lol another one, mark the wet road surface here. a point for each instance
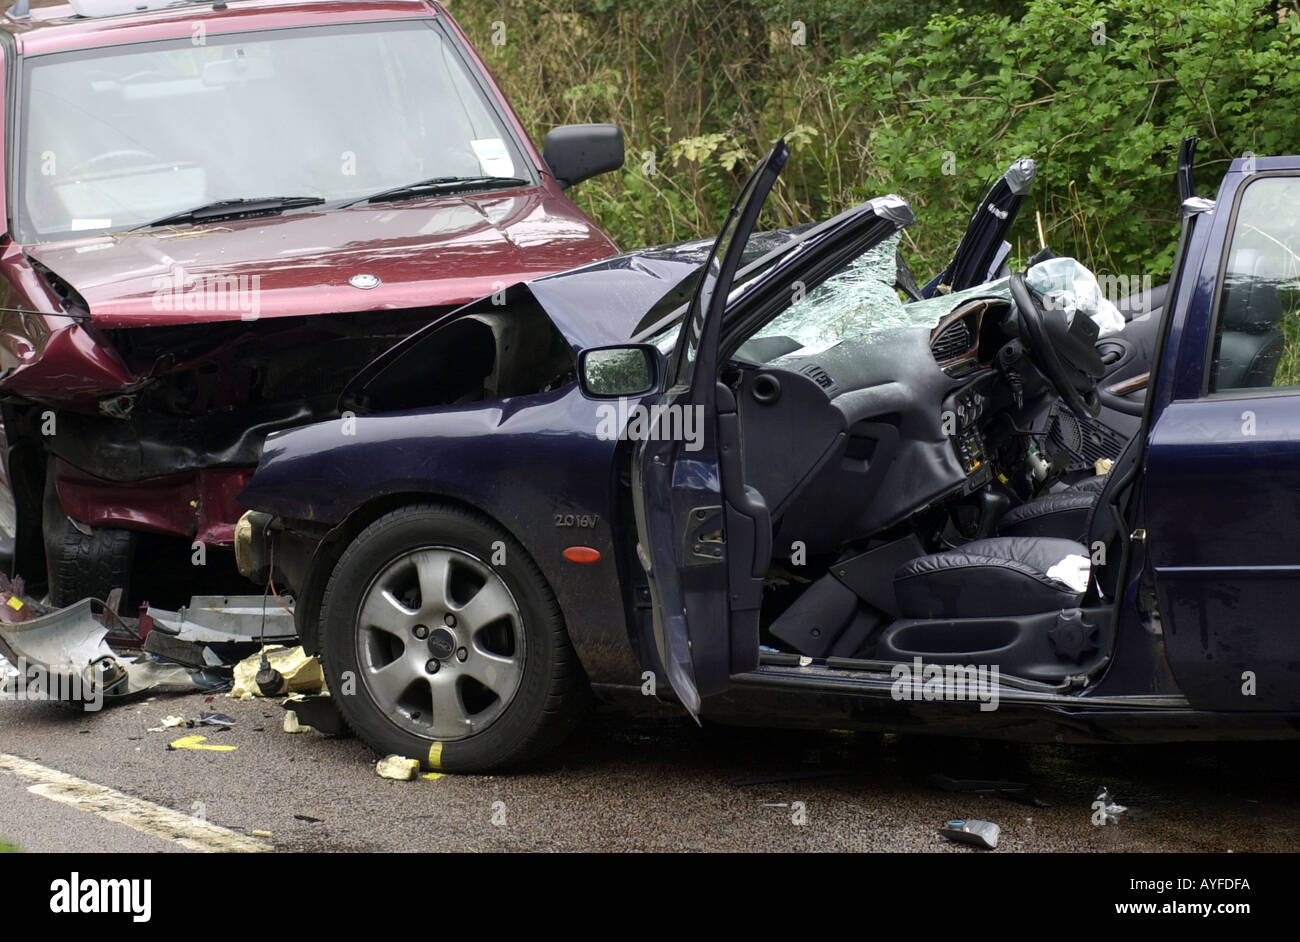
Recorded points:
(624, 784)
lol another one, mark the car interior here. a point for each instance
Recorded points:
(955, 487)
(930, 491)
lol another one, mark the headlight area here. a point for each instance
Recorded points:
(253, 546)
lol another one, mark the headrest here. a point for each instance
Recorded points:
(1251, 301)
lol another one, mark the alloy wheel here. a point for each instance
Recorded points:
(440, 643)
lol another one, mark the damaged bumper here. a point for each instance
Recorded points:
(86, 654)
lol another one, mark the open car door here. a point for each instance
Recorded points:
(699, 546)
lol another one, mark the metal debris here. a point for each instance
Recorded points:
(65, 655)
(1110, 809)
(977, 833)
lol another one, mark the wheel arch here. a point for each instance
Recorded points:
(332, 546)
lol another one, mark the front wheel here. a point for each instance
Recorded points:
(441, 641)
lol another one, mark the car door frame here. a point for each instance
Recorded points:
(1190, 431)
(677, 494)
(702, 650)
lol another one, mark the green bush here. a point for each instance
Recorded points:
(1099, 93)
(891, 97)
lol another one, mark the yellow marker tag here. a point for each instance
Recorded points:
(432, 776)
(196, 742)
(15, 603)
(435, 756)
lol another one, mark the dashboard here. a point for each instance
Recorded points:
(960, 342)
(964, 415)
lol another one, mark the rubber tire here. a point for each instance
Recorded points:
(552, 694)
(82, 566)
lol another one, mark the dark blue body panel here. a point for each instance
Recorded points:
(1222, 499)
(521, 461)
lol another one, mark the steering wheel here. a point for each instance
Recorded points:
(1085, 404)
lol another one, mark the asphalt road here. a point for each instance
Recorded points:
(621, 784)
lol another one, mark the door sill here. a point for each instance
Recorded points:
(875, 679)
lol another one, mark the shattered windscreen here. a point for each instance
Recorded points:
(859, 301)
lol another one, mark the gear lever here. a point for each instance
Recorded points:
(992, 504)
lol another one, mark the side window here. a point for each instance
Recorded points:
(1257, 332)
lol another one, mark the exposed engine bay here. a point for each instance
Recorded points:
(161, 452)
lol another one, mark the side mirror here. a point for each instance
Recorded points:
(576, 152)
(614, 372)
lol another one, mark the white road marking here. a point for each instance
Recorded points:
(144, 816)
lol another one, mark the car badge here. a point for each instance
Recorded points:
(364, 282)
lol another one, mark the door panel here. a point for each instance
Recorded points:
(1223, 519)
(692, 541)
(1223, 463)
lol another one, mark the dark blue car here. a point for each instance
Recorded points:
(775, 482)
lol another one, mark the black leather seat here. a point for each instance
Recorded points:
(1008, 575)
(1062, 514)
(1250, 343)
(997, 576)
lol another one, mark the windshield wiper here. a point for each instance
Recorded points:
(440, 185)
(235, 209)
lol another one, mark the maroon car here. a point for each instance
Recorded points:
(214, 214)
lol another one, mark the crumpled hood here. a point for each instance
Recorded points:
(604, 302)
(424, 253)
(598, 304)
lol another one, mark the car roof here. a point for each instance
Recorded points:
(55, 26)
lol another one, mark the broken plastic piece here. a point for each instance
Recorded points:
(217, 619)
(181, 651)
(198, 743)
(213, 719)
(67, 653)
(399, 768)
(983, 834)
(320, 712)
(1110, 809)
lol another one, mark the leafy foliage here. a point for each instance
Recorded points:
(920, 99)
